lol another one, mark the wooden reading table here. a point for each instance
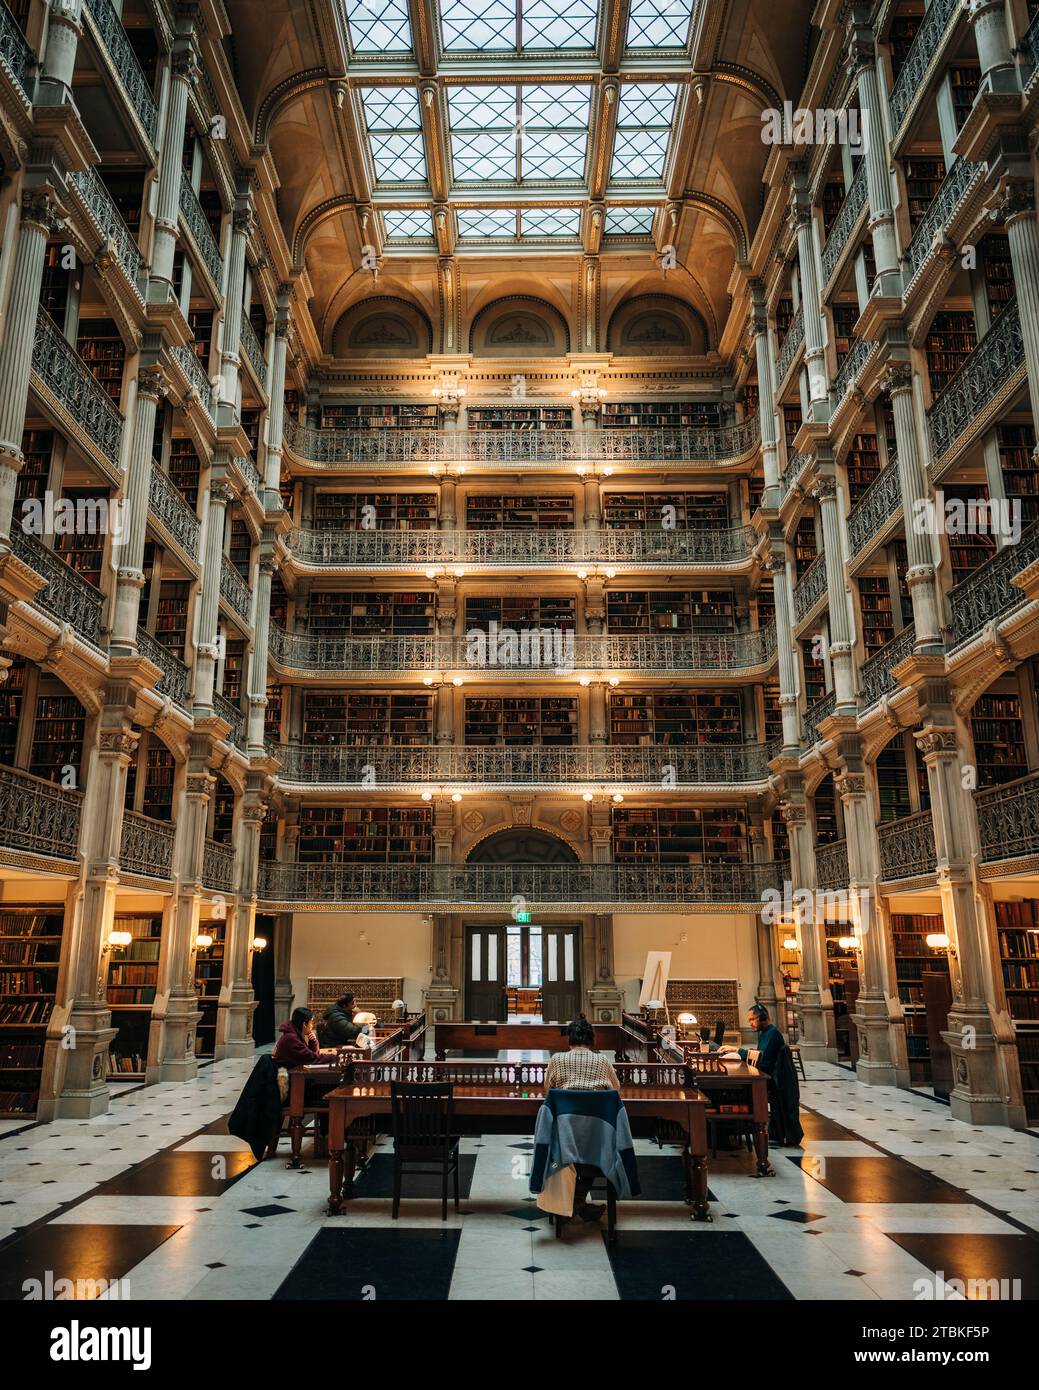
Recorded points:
(535, 1037)
(731, 1084)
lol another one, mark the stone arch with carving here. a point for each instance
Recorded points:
(657, 325)
(382, 326)
(282, 96)
(519, 326)
(323, 212)
(523, 844)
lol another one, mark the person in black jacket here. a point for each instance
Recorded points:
(338, 1027)
(784, 1094)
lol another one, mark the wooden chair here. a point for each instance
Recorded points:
(422, 1137)
(795, 1053)
(599, 1183)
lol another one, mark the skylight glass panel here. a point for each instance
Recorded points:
(550, 222)
(550, 24)
(410, 223)
(495, 26)
(643, 130)
(629, 221)
(659, 23)
(486, 222)
(478, 25)
(517, 134)
(379, 26)
(395, 134)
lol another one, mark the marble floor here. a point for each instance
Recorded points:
(886, 1195)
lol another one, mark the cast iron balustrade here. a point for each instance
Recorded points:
(578, 766)
(984, 374)
(875, 678)
(907, 847)
(98, 202)
(38, 817)
(1029, 49)
(795, 336)
(856, 359)
(822, 709)
(15, 50)
(332, 655)
(250, 473)
(125, 66)
(875, 507)
(234, 716)
(175, 675)
(921, 53)
(1008, 819)
(496, 885)
(960, 178)
(831, 865)
(201, 233)
(810, 588)
(726, 444)
(59, 366)
(218, 866)
(796, 465)
(167, 505)
(187, 360)
(146, 846)
(68, 597)
(234, 588)
(840, 233)
(252, 349)
(990, 593)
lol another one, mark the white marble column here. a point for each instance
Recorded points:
(842, 639)
(151, 388)
(221, 494)
(258, 660)
(183, 74)
(802, 222)
(862, 65)
(1019, 215)
(920, 573)
(64, 31)
(766, 394)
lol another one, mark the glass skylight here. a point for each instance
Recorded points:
(475, 223)
(551, 222)
(644, 121)
(378, 26)
(524, 224)
(519, 134)
(483, 26)
(395, 134)
(659, 23)
(408, 223)
(629, 221)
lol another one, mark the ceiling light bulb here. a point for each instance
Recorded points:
(586, 796)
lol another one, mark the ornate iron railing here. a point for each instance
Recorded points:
(795, 336)
(250, 473)
(726, 444)
(1029, 49)
(721, 546)
(831, 865)
(234, 716)
(200, 231)
(252, 349)
(875, 678)
(1008, 819)
(175, 676)
(990, 592)
(125, 65)
(187, 359)
(984, 374)
(815, 714)
(98, 202)
(146, 846)
(723, 652)
(796, 465)
(875, 507)
(844, 224)
(852, 365)
(38, 817)
(960, 178)
(234, 588)
(15, 50)
(384, 765)
(167, 504)
(810, 588)
(907, 847)
(68, 597)
(498, 884)
(218, 866)
(921, 53)
(60, 368)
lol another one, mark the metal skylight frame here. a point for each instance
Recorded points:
(658, 25)
(394, 128)
(408, 224)
(518, 26)
(629, 221)
(379, 27)
(546, 224)
(520, 133)
(645, 122)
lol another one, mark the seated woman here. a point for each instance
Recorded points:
(298, 1045)
(581, 1069)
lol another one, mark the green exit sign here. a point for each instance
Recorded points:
(522, 916)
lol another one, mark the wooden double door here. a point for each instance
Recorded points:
(544, 956)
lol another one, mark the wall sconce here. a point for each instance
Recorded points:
(790, 943)
(937, 940)
(617, 798)
(587, 796)
(203, 941)
(457, 680)
(259, 943)
(450, 391)
(589, 393)
(849, 943)
(118, 940)
(456, 797)
(427, 796)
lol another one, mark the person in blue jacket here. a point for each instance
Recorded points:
(784, 1094)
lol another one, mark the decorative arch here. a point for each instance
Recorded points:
(657, 324)
(382, 326)
(724, 214)
(522, 844)
(323, 212)
(519, 326)
(283, 95)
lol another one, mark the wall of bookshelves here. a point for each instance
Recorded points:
(648, 511)
(900, 39)
(520, 721)
(392, 511)
(101, 350)
(806, 547)
(900, 554)
(240, 547)
(692, 716)
(913, 957)
(30, 954)
(660, 415)
(863, 465)
(84, 550)
(952, 339)
(486, 511)
(159, 772)
(664, 610)
(893, 783)
(1020, 474)
(12, 694)
(827, 823)
(209, 975)
(185, 468)
(968, 552)
(366, 614)
(520, 611)
(878, 623)
(529, 417)
(814, 673)
(57, 737)
(1017, 929)
(773, 712)
(680, 835)
(832, 199)
(964, 80)
(171, 621)
(272, 714)
(924, 176)
(400, 416)
(999, 737)
(37, 447)
(998, 272)
(792, 422)
(54, 287)
(363, 717)
(133, 973)
(366, 834)
(845, 317)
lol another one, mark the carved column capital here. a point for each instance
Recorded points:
(152, 383)
(39, 209)
(898, 376)
(937, 742)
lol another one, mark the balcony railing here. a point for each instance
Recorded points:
(146, 846)
(68, 597)
(726, 444)
(658, 546)
(60, 368)
(983, 376)
(218, 866)
(175, 675)
(1029, 49)
(852, 366)
(496, 885)
(875, 678)
(795, 467)
(795, 336)
(251, 474)
(815, 714)
(200, 231)
(252, 349)
(950, 195)
(195, 374)
(38, 817)
(579, 766)
(15, 50)
(875, 508)
(907, 847)
(98, 202)
(167, 504)
(810, 588)
(921, 53)
(844, 224)
(234, 588)
(233, 715)
(1008, 819)
(127, 69)
(348, 655)
(831, 865)
(990, 593)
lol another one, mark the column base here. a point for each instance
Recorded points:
(980, 1086)
(283, 997)
(234, 1021)
(818, 1040)
(84, 1089)
(441, 1003)
(879, 1062)
(174, 1056)
(607, 1003)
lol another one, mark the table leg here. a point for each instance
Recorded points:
(701, 1207)
(349, 1167)
(765, 1169)
(687, 1165)
(335, 1181)
(296, 1139)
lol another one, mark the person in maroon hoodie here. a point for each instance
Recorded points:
(298, 1044)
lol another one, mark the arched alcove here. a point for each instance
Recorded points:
(522, 845)
(519, 326)
(383, 326)
(657, 325)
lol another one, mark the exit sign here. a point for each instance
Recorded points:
(522, 916)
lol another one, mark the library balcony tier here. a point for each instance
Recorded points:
(907, 847)
(938, 222)
(846, 225)
(171, 515)
(992, 592)
(176, 678)
(109, 229)
(875, 512)
(792, 342)
(831, 865)
(875, 675)
(121, 67)
(67, 597)
(16, 52)
(146, 847)
(978, 393)
(934, 34)
(1008, 819)
(39, 820)
(71, 397)
(193, 221)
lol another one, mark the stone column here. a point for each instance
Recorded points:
(814, 1001)
(920, 574)
(234, 1015)
(767, 992)
(842, 641)
(777, 567)
(592, 506)
(151, 388)
(221, 494)
(243, 224)
(802, 222)
(183, 74)
(989, 21)
(766, 394)
(597, 712)
(276, 413)
(282, 967)
(39, 220)
(1019, 214)
(445, 713)
(862, 65)
(258, 660)
(442, 997)
(604, 996)
(447, 519)
(59, 59)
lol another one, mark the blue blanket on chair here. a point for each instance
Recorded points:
(585, 1127)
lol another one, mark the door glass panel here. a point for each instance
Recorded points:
(568, 956)
(492, 955)
(552, 969)
(475, 971)
(514, 957)
(534, 971)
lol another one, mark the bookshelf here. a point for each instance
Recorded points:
(213, 209)
(209, 976)
(814, 673)
(1020, 474)
(381, 417)
(57, 737)
(393, 511)
(784, 317)
(521, 611)
(842, 971)
(923, 178)
(792, 421)
(273, 711)
(845, 317)
(184, 470)
(832, 200)
(531, 417)
(660, 415)
(158, 785)
(878, 623)
(84, 550)
(913, 957)
(766, 600)
(171, 622)
(900, 39)
(201, 321)
(693, 716)
(863, 465)
(368, 614)
(624, 511)
(133, 974)
(12, 693)
(680, 835)
(101, 350)
(999, 739)
(496, 512)
(234, 668)
(30, 955)
(999, 273)
(37, 447)
(366, 835)
(964, 81)
(805, 543)
(905, 598)
(780, 837)
(827, 829)
(952, 339)
(755, 491)
(279, 601)
(968, 552)
(287, 491)
(223, 812)
(773, 713)
(893, 783)
(662, 611)
(240, 547)
(1017, 928)
(54, 287)
(250, 419)
(521, 721)
(751, 399)
(362, 717)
